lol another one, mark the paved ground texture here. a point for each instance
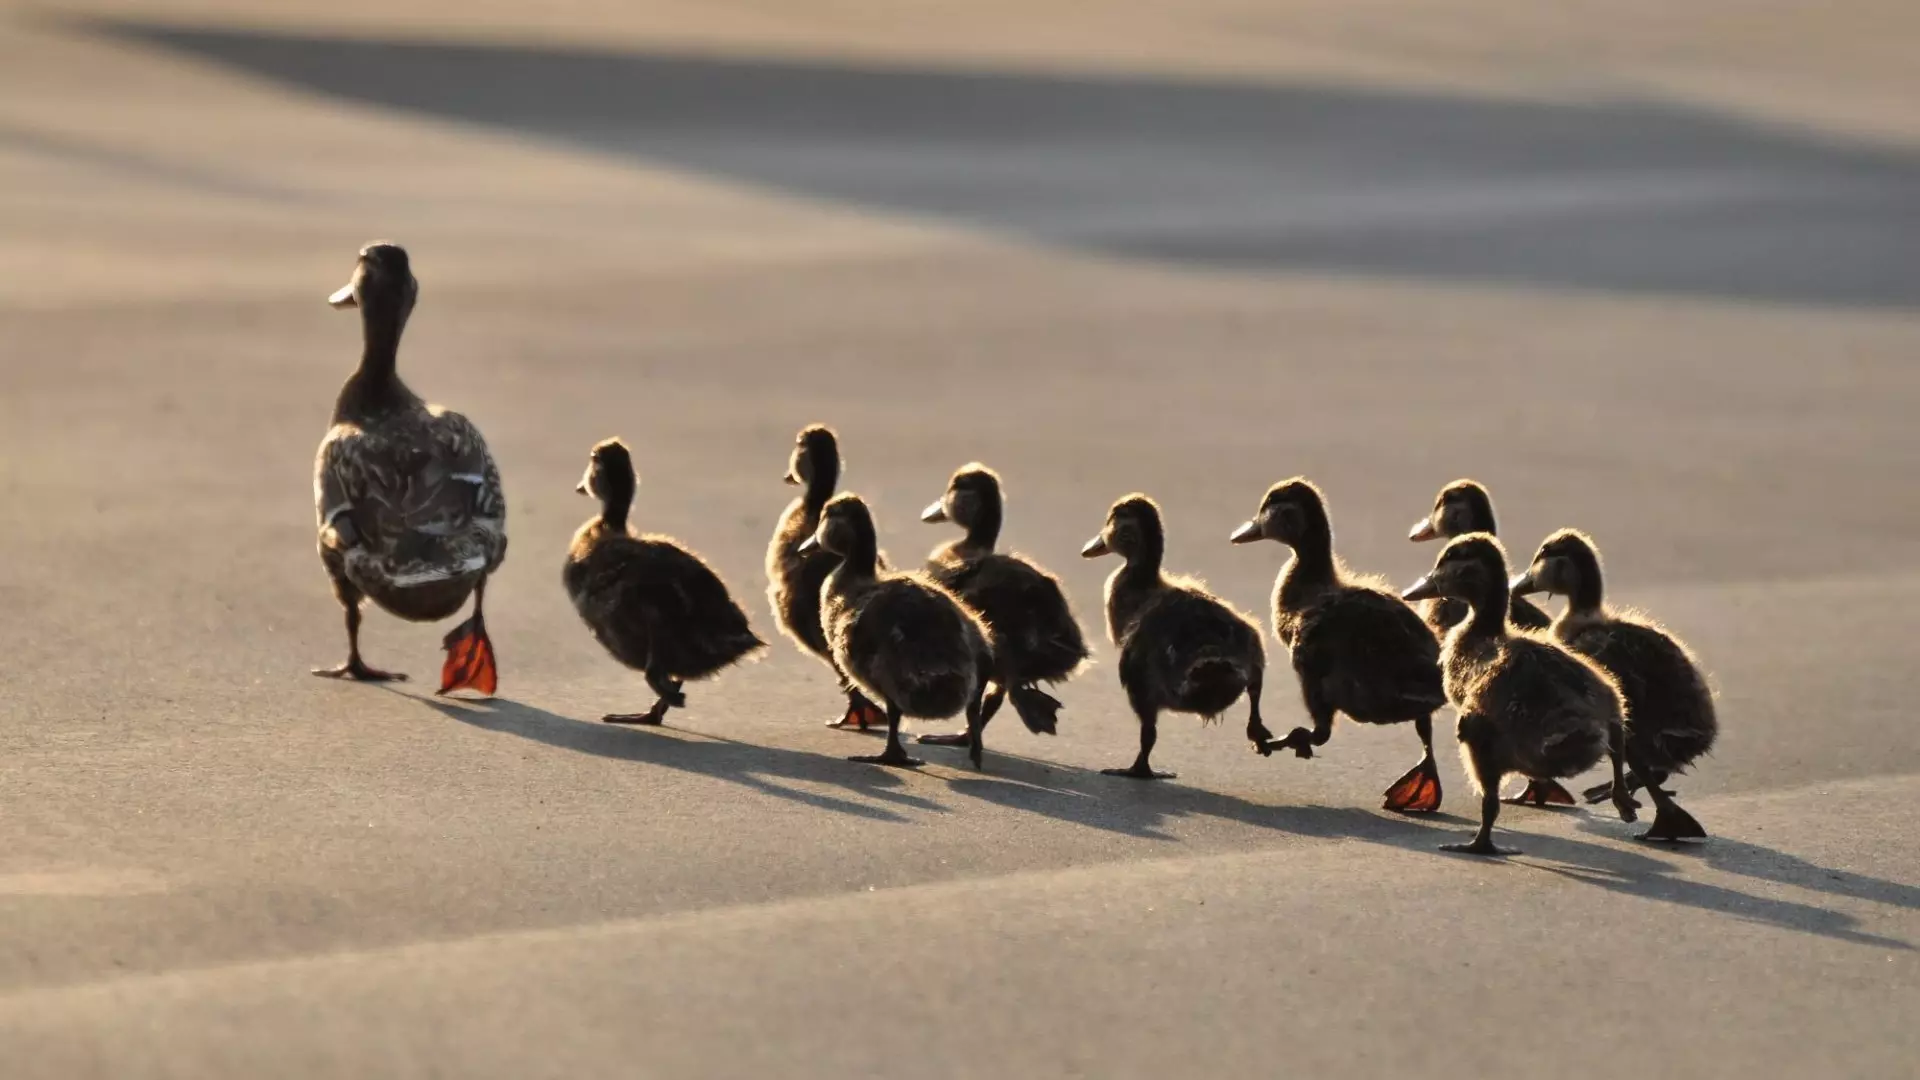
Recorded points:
(1650, 271)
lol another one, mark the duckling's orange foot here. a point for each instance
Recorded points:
(470, 662)
(956, 738)
(860, 716)
(653, 717)
(1671, 825)
(893, 756)
(1137, 771)
(1479, 846)
(1417, 792)
(1542, 793)
(354, 669)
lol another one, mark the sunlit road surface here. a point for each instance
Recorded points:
(1658, 277)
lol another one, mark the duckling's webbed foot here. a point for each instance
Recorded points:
(470, 661)
(356, 670)
(1543, 793)
(1417, 791)
(651, 718)
(1299, 740)
(894, 754)
(1672, 824)
(861, 715)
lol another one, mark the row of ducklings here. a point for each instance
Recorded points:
(1546, 699)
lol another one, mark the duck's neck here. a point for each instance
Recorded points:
(825, 476)
(375, 384)
(1589, 592)
(983, 532)
(1143, 563)
(861, 560)
(1489, 615)
(616, 499)
(1312, 565)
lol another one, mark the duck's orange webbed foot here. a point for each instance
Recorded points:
(470, 662)
(1417, 792)
(861, 715)
(1543, 793)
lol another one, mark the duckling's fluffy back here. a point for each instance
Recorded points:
(1025, 609)
(1183, 648)
(1668, 698)
(794, 578)
(1367, 651)
(907, 642)
(653, 603)
(1542, 710)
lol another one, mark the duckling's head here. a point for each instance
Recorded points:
(1469, 568)
(1462, 507)
(816, 452)
(1567, 564)
(609, 471)
(972, 490)
(845, 524)
(1133, 527)
(382, 281)
(1292, 511)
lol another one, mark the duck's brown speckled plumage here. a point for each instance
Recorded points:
(1462, 507)
(1668, 698)
(1527, 705)
(913, 647)
(1182, 649)
(656, 606)
(1356, 647)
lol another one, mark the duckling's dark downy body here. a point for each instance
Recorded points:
(1357, 648)
(1463, 507)
(1036, 639)
(1182, 649)
(906, 642)
(1527, 705)
(408, 497)
(1667, 695)
(795, 578)
(655, 605)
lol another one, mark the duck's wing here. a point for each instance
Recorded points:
(422, 495)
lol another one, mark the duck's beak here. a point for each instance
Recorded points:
(809, 544)
(791, 479)
(343, 297)
(1423, 531)
(1523, 584)
(1095, 548)
(1247, 533)
(1421, 590)
(935, 514)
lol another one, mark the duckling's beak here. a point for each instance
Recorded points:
(791, 479)
(1095, 548)
(580, 488)
(1247, 533)
(808, 544)
(1423, 531)
(1523, 584)
(343, 297)
(1421, 590)
(935, 514)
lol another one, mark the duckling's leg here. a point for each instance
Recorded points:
(1487, 775)
(1300, 740)
(1543, 793)
(670, 698)
(894, 754)
(1149, 734)
(1418, 792)
(470, 662)
(988, 707)
(354, 668)
(977, 725)
(1600, 793)
(1257, 732)
(1670, 823)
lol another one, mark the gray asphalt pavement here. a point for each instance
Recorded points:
(1682, 321)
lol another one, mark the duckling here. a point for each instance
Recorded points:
(906, 642)
(1181, 648)
(1667, 694)
(1463, 507)
(794, 579)
(410, 510)
(655, 605)
(1526, 704)
(1035, 636)
(1357, 648)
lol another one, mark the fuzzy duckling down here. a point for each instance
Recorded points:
(905, 642)
(1527, 705)
(1463, 507)
(795, 577)
(408, 497)
(1036, 639)
(1182, 649)
(657, 607)
(1669, 701)
(1356, 647)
